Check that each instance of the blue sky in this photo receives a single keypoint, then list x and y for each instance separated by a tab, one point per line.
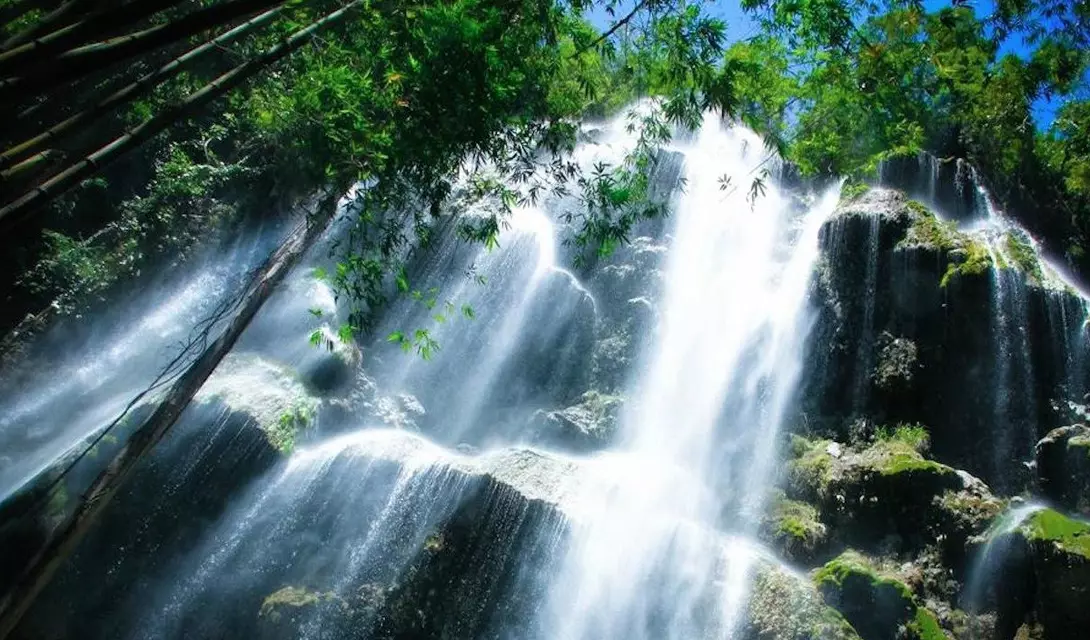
740	26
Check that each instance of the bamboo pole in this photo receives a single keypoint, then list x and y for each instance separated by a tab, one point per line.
77	63
67	536
131	91
44	193
55	18
94	25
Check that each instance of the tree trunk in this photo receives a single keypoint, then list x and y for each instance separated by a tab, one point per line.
77	63
67	536
132	91
73	175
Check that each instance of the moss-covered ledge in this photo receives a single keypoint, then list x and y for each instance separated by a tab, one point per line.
876	603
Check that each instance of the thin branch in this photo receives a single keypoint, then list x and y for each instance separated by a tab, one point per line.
617	25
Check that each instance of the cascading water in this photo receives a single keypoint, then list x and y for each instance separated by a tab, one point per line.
698	440
368	521
44	416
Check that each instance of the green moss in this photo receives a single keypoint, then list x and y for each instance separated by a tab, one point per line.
813	466
925	626
795	525
852	565
1049	525
434	543
1023	256
873	594
928	230
977	261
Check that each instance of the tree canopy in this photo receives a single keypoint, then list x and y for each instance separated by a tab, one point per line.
131	129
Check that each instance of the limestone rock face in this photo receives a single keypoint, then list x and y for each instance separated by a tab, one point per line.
881	495
265	392
1063	467
920	322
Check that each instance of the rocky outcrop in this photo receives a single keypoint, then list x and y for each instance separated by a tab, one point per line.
587	426
919	322
1042	579
1063	467
876	603
785	606
264	392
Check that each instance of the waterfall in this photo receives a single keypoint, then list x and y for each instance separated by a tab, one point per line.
651	559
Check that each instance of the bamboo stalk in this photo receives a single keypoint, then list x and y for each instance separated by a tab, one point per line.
68	178
55	18
131	91
81	61
94	25
68	535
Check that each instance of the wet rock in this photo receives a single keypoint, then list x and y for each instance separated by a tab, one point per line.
399	411
909	330
794	529
1058	551
587	426
269	394
872	496
1063	467
784	606
876	603
331	367
959	518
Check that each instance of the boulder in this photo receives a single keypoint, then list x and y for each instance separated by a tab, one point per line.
1059	560
269	394
794	529
785	606
1063	467
876	603
587	426
331	367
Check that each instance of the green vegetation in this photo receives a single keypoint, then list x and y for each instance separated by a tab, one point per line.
1051	526
925	626
853	189
976	261
914	435
283	434
794	526
874	600
1023	256
290	599
399	96
852	565
844	85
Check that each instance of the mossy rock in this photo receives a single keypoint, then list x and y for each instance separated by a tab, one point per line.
877	496
794	529
1063	467
1058	549
878	605
265	392
783	606
587	426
